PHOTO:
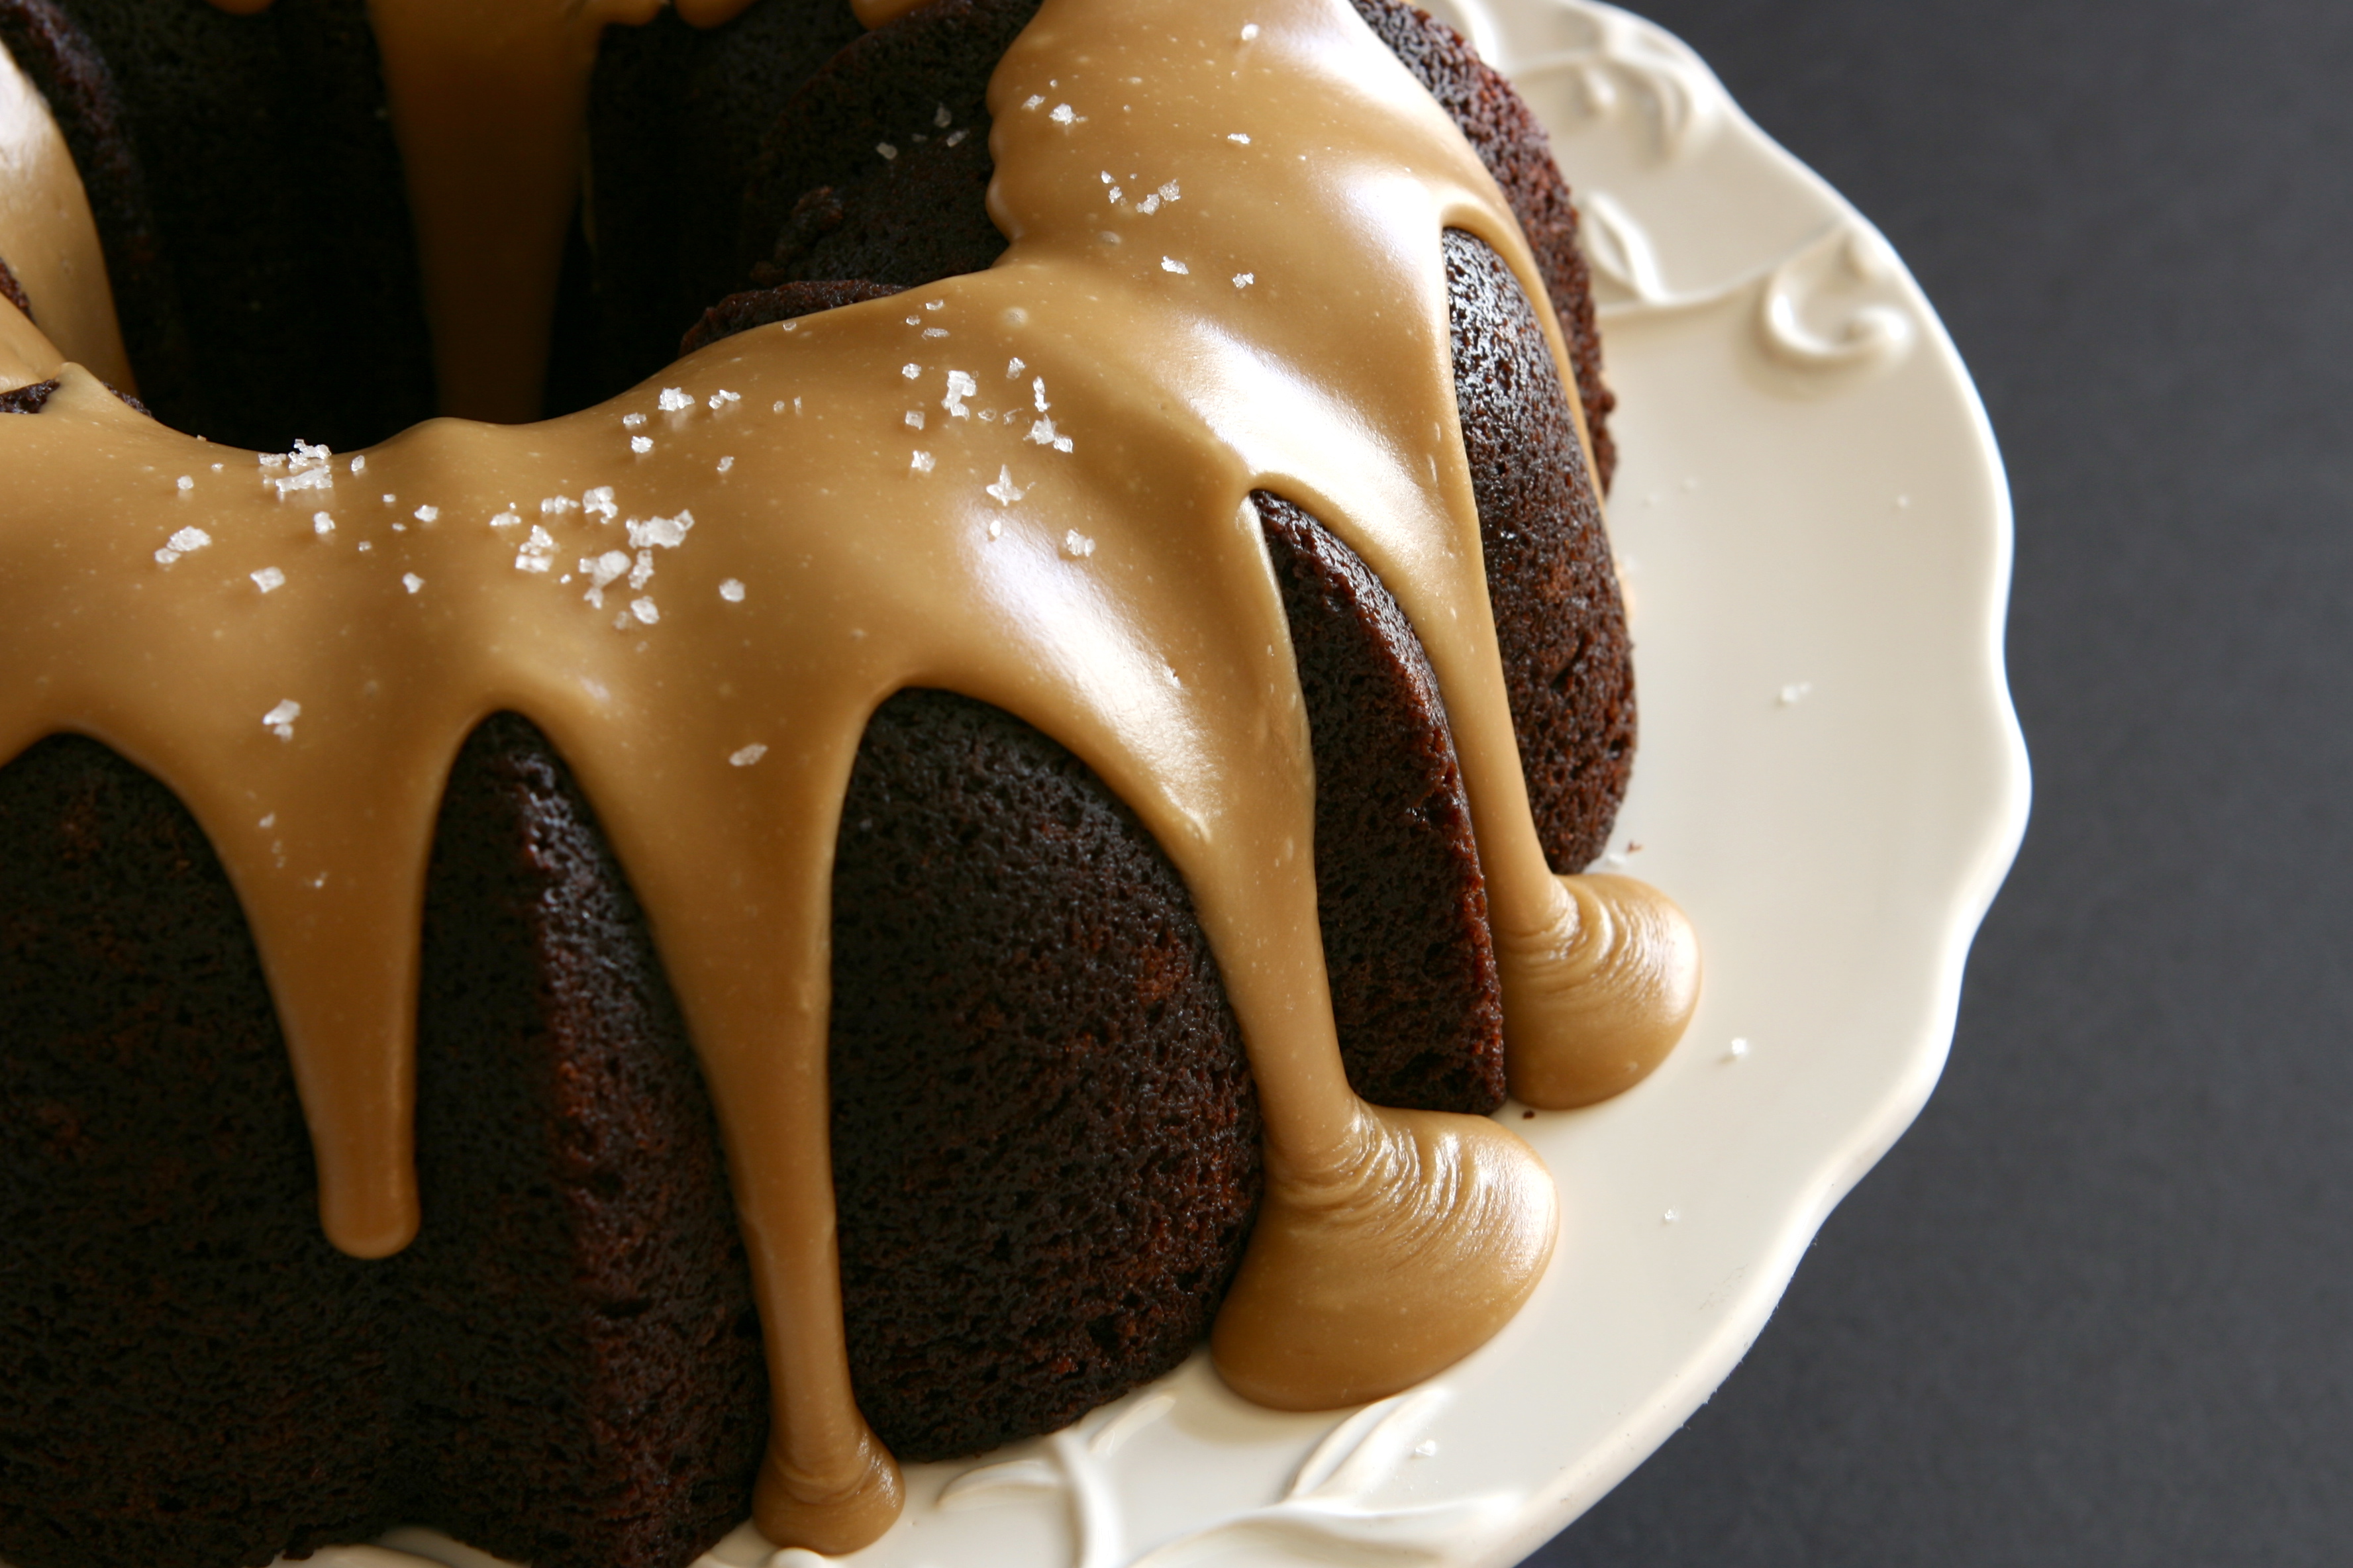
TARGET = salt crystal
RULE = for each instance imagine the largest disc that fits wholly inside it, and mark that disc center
(1250, 31)
(365, 545)
(747, 756)
(921, 463)
(600, 501)
(641, 445)
(910, 371)
(604, 568)
(642, 573)
(1043, 432)
(1672, 1215)
(427, 514)
(1063, 115)
(556, 506)
(1244, 279)
(1168, 192)
(1796, 692)
(1077, 545)
(1170, 264)
(1037, 392)
(185, 483)
(1033, 101)
(306, 480)
(1061, 443)
(506, 520)
(960, 387)
(942, 118)
(322, 525)
(538, 551)
(631, 421)
(267, 578)
(778, 405)
(674, 400)
(660, 532)
(1238, 136)
(796, 405)
(722, 397)
(390, 499)
(887, 151)
(1005, 491)
(270, 821)
(731, 590)
(935, 332)
(1739, 1050)
(279, 721)
(411, 580)
(725, 464)
(181, 542)
(1148, 205)
(957, 136)
(645, 610)
(996, 527)
(359, 463)
(935, 304)
(1013, 368)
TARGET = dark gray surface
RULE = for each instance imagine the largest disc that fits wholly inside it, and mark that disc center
(2097, 1306)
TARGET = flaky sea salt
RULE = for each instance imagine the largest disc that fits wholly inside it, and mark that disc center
(181, 542)
(645, 610)
(632, 421)
(279, 721)
(725, 464)
(914, 418)
(268, 578)
(1241, 136)
(1170, 264)
(920, 463)
(1077, 545)
(1244, 279)
(660, 532)
(1005, 491)
(747, 756)
(411, 580)
(674, 400)
(886, 150)
(322, 525)
(538, 551)
(641, 445)
(427, 514)
(731, 590)
(599, 502)
(1250, 31)
(1064, 114)
(185, 483)
(961, 385)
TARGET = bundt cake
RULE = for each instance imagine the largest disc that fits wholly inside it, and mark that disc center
(968, 765)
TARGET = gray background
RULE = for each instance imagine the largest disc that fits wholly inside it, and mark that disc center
(2097, 1306)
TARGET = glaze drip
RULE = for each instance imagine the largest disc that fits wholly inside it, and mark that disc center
(1029, 486)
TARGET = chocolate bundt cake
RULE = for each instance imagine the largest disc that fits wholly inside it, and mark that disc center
(528, 1011)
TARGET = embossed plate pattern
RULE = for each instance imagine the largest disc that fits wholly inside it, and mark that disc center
(1814, 528)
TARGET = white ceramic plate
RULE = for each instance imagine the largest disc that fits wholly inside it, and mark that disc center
(1813, 524)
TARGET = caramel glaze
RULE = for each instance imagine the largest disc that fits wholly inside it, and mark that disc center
(49, 242)
(1029, 486)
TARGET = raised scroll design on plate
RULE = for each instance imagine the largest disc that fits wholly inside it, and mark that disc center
(1327, 1511)
(1872, 335)
(1622, 63)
